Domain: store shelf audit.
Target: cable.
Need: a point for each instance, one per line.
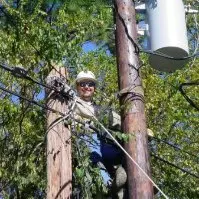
(173, 165)
(127, 154)
(160, 54)
(56, 122)
(118, 144)
(154, 138)
(20, 72)
(184, 94)
(32, 101)
(62, 118)
(174, 146)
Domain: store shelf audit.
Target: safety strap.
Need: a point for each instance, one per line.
(134, 90)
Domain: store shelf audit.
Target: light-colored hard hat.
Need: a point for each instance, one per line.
(85, 75)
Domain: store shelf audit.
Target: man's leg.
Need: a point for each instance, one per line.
(119, 182)
(112, 158)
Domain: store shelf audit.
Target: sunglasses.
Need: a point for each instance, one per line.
(89, 84)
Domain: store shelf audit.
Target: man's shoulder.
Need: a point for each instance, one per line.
(84, 109)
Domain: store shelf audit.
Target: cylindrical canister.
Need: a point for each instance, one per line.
(167, 33)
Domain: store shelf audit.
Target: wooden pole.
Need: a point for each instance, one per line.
(59, 166)
(132, 100)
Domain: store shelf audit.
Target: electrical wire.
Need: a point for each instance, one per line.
(154, 138)
(159, 158)
(22, 73)
(160, 54)
(195, 83)
(128, 155)
(174, 146)
(58, 121)
(63, 117)
(31, 101)
(173, 165)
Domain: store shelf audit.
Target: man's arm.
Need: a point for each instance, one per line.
(115, 123)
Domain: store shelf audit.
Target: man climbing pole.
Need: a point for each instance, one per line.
(111, 156)
(84, 112)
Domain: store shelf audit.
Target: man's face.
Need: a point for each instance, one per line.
(86, 89)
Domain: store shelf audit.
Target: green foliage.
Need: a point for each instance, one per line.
(32, 35)
(173, 119)
(35, 33)
(87, 176)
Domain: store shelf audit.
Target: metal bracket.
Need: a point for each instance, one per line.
(55, 81)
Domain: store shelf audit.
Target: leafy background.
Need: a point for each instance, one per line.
(34, 34)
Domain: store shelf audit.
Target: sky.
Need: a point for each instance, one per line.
(89, 46)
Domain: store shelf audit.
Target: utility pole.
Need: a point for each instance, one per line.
(59, 165)
(132, 100)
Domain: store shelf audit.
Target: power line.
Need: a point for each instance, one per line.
(154, 138)
(160, 54)
(32, 101)
(195, 83)
(174, 146)
(173, 165)
(20, 72)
